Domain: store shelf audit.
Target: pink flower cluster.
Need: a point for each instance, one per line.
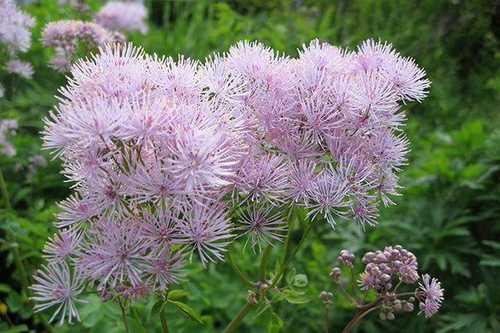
(65, 36)
(123, 16)
(15, 34)
(385, 272)
(385, 267)
(162, 153)
(19, 67)
(15, 27)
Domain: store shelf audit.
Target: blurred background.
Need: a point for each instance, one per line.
(448, 214)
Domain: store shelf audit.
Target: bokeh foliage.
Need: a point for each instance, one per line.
(448, 215)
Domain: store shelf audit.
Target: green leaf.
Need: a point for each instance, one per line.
(16, 329)
(300, 281)
(187, 310)
(295, 297)
(177, 294)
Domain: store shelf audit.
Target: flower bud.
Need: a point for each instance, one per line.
(326, 297)
(335, 274)
(408, 307)
(347, 258)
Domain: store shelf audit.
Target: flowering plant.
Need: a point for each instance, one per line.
(176, 159)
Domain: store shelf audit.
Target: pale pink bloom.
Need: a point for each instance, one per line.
(161, 228)
(115, 254)
(65, 36)
(263, 225)
(431, 295)
(164, 269)
(123, 16)
(56, 285)
(75, 210)
(328, 197)
(207, 231)
(21, 68)
(63, 245)
(263, 178)
(15, 27)
(301, 180)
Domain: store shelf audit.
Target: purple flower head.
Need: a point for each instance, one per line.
(56, 285)
(15, 27)
(164, 268)
(262, 225)
(65, 35)
(63, 245)
(206, 230)
(328, 196)
(263, 177)
(430, 294)
(115, 254)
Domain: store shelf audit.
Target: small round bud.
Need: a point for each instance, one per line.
(408, 307)
(382, 316)
(252, 297)
(335, 274)
(390, 316)
(397, 306)
(346, 258)
(326, 297)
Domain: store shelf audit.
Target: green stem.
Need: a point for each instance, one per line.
(164, 324)
(362, 312)
(124, 315)
(263, 263)
(15, 250)
(5, 193)
(242, 276)
(289, 258)
(236, 322)
(327, 320)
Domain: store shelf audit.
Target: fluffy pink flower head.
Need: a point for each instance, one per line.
(15, 27)
(21, 68)
(66, 35)
(123, 16)
(431, 295)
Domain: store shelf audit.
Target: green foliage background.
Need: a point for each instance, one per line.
(448, 215)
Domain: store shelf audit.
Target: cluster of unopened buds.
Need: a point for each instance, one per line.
(175, 159)
(386, 272)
